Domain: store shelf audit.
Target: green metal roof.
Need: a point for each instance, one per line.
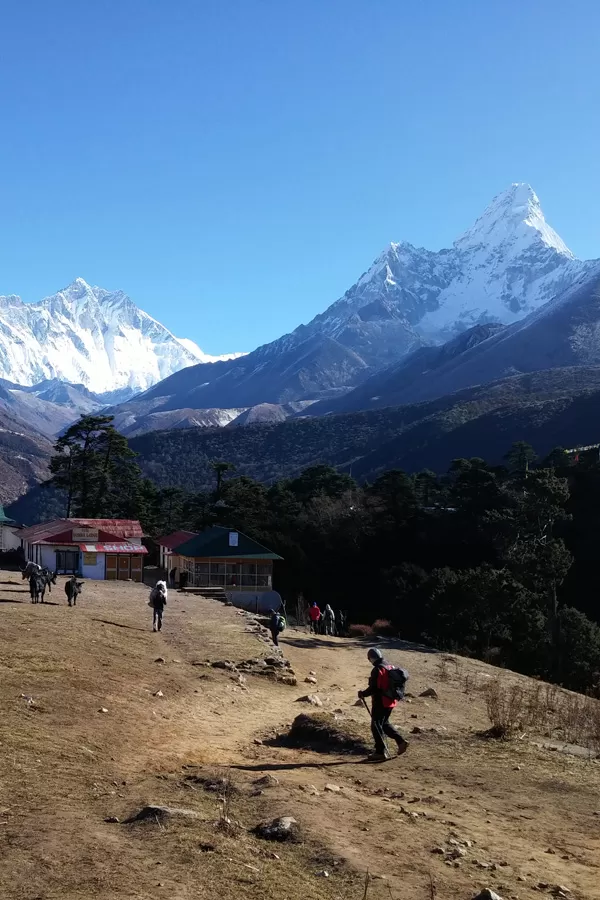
(214, 543)
(4, 520)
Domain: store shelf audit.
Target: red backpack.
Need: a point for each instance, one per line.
(391, 681)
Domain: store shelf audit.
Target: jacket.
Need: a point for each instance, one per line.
(314, 613)
(376, 687)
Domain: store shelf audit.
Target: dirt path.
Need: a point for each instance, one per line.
(68, 766)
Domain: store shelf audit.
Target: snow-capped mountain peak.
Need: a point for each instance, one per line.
(88, 335)
(515, 216)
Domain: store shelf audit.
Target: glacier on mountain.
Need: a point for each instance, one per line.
(91, 336)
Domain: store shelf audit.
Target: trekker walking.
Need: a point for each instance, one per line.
(329, 620)
(276, 626)
(173, 577)
(386, 687)
(340, 622)
(158, 601)
(314, 614)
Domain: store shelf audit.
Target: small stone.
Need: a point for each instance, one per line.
(310, 698)
(439, 850)
(429, 692)
(160, 659)
(223, 664)
(416, 730)
(158, 694)
(258, 742)
(312, 673)
(487, 894)
(103, 709)
(516, 768)
(112, 820)
(310, 679)
(323, 874)
(309, 789)
(551, 851)
(333, 788)
(267, 781)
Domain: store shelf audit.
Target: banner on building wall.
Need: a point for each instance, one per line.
(90, 559)
(84, 534)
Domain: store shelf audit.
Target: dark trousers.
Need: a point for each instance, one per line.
(275, 636)
(314, 626)
(380, 725)
(157, 618)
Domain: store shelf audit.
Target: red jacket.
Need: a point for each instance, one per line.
(314, 613)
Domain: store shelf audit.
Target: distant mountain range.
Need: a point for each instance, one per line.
(87, 335)
(503, 270)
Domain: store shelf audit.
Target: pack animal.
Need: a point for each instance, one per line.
(72, 590)
(49, 577)
(30, 569)
(37, 588)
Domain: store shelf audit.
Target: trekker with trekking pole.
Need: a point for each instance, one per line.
(314, 616)
(386, 687)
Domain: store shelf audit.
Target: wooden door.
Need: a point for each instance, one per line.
(111, 567)
(124, 567)
(136, 568)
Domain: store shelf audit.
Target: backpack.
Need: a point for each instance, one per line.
(392, 682)
(280, 623)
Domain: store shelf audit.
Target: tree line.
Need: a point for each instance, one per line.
(495, 561)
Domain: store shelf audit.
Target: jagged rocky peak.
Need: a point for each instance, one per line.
(513, 215)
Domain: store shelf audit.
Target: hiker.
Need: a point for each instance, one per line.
(183, 580)
(314, 614)
(385, 694)
(158, 601)
(340, 622)
(173, 576)
(329, 620)
(276, 626)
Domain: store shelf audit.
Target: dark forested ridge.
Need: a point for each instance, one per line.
(550, 408)
(499, 561)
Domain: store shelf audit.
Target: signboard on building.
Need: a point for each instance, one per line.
(234, 539)
(90, 559)
(84, 535)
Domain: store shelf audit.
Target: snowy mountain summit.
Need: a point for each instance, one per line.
(509, 263)
(87, 335)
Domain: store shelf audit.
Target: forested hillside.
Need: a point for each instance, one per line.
(549, 408)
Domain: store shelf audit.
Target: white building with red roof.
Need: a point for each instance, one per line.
(102, 549)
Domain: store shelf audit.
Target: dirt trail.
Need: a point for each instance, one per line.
(68, 766)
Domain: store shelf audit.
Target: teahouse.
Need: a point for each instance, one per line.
(223, 558)
(102, 549)
(167, 545)
(10, 532)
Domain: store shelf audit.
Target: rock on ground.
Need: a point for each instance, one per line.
(310, 698)
(285, 828)
(162, 814)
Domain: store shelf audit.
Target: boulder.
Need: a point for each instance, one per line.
(161, 814)
(487, 894)
(429, 692)
(284, 828)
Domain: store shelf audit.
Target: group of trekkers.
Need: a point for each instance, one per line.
(327, 622)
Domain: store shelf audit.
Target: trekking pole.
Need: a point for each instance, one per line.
(379, 731)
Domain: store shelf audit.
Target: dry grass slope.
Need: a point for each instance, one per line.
(196, 743)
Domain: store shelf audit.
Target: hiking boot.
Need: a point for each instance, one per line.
(154, 628)
(378, 757)
(402, 747)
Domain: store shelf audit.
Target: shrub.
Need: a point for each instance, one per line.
(384, 627)
(506, 706)
(359, 631)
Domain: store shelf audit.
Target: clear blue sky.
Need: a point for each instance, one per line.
(235, 165)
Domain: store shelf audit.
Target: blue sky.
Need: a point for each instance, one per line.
(235, 165)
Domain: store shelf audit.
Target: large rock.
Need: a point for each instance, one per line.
(161, 814)
(285, 828)
(487, 894)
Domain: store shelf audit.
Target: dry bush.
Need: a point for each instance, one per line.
(571, 717)
(506, 706)
(384, 627)
(358, 631)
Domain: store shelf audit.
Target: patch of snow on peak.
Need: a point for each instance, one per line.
(203, 357)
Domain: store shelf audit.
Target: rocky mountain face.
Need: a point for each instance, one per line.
(563, 333)
(87, 335)
(508, 265)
